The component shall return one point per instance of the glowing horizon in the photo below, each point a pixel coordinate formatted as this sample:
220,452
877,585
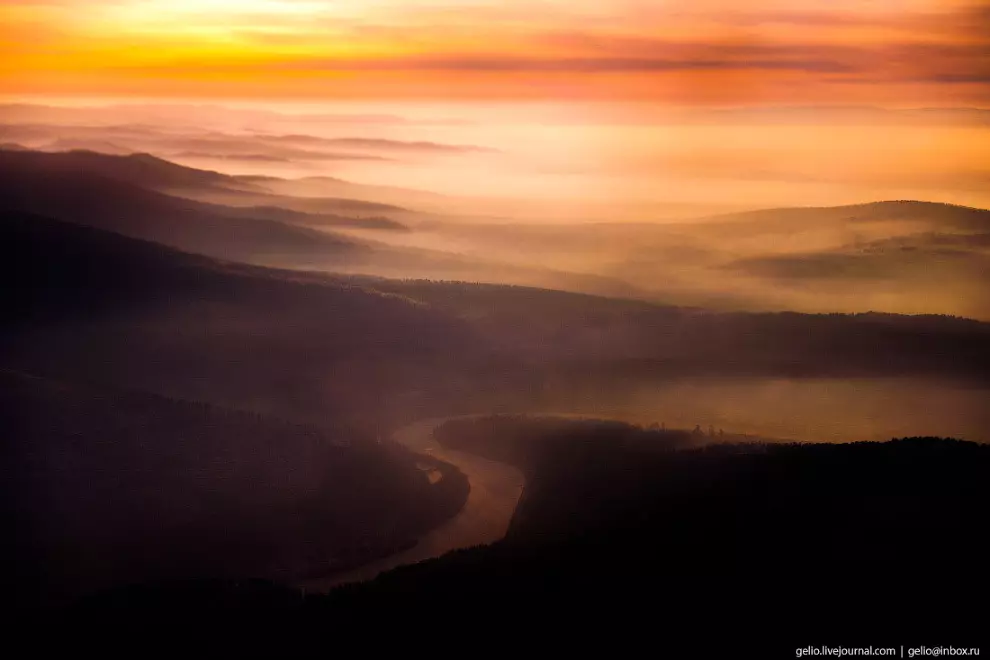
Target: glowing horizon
892,53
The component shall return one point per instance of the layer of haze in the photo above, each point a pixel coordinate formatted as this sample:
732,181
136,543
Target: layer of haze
810,410
768,218
711,154
621,193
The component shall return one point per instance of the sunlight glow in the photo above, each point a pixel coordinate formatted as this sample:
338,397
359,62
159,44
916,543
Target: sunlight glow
915,52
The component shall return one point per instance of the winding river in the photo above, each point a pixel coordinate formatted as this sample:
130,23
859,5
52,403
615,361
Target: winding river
484,518
818,410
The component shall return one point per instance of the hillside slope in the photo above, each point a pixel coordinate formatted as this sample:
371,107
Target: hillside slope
85,197
109,487
945,216
91,305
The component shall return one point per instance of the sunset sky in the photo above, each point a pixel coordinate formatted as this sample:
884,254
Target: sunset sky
886,52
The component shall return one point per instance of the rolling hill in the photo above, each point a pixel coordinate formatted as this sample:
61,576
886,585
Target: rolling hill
97,315
92,305
902,257
942,216
628,339
101,192
109,487
138,169
554,328
152,173
70,190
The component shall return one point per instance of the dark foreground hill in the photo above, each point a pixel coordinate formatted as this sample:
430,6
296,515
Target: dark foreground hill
727,551
105,488
104,485
741,549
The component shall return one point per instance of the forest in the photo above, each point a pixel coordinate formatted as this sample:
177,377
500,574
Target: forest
617,539
109,487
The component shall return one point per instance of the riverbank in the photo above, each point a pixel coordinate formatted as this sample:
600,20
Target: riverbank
495,489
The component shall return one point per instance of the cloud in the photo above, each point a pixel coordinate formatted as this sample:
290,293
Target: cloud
378,144
570,52
515,64
956,78
264,158
763,48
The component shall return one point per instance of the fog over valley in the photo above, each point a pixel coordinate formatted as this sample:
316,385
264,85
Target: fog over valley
322,359
623,200
571,327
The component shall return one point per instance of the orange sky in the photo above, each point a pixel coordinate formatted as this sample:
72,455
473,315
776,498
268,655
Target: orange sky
888,52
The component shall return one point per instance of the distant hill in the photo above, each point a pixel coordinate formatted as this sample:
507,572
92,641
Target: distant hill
92,305
902,257
373,144
304,199
206,190
398,198
101,271
244,329
279,231
95,146
329,220
938,216
142,170
907,256
626,339
65,187
959,260
151,172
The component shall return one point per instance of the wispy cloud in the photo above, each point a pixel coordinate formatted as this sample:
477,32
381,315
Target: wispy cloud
883,51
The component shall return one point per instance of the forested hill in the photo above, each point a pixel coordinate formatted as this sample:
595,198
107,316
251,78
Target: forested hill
91,305
108,487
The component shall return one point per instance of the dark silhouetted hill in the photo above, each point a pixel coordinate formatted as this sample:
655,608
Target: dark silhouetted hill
734,549
107,487
30,182
94,306
142,170
153,173
752,550
591,337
